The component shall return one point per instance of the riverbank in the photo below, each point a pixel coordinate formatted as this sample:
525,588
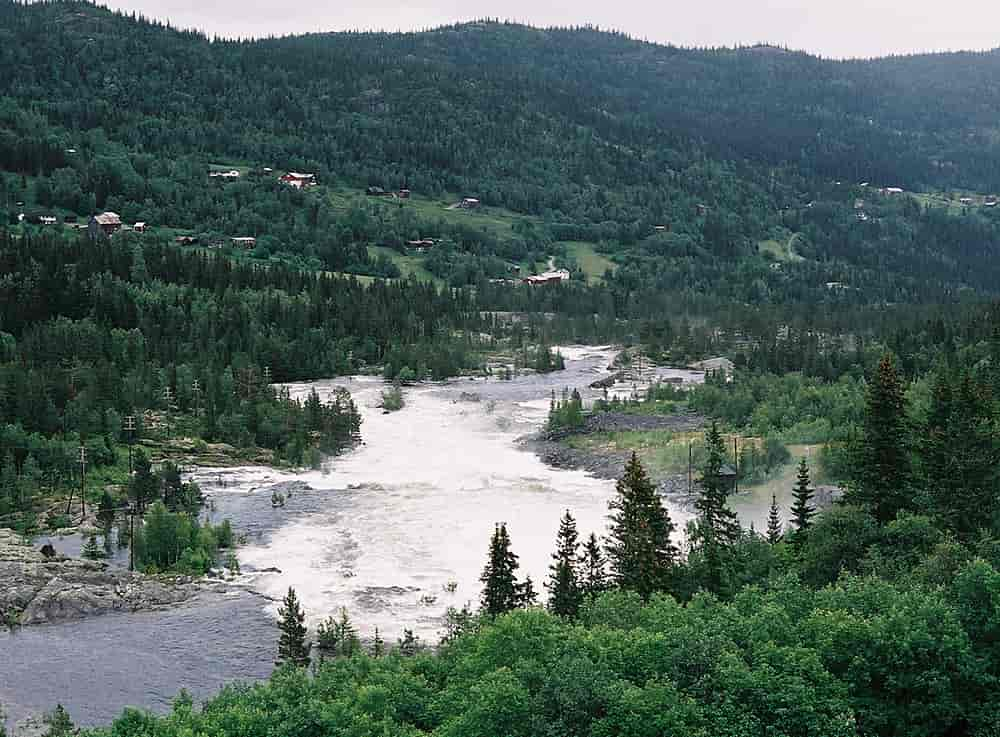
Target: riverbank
35,589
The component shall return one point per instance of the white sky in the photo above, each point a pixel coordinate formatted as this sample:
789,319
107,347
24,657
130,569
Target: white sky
833,28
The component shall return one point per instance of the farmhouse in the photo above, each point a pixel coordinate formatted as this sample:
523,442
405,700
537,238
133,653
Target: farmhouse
965,200
469,203
548,277
297,180
48,220
891,191
104,225
404,194
247,242
139,227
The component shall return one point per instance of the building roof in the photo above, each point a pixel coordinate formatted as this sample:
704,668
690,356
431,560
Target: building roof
108,218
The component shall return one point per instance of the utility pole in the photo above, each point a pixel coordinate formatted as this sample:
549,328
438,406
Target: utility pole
129,427
736,465
83,481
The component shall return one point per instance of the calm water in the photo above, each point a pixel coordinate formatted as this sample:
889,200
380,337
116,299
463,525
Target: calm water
395,531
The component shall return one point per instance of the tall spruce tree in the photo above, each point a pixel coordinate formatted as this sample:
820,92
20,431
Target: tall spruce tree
501,591
959,454
882,476
717,522
292,645
774,522
593,568
564,587
802,509
639,547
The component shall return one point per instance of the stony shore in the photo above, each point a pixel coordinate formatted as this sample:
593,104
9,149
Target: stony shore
39,590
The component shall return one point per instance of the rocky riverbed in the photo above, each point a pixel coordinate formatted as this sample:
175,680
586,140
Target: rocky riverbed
35,589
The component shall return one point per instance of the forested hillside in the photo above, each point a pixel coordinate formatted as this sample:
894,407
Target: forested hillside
731,174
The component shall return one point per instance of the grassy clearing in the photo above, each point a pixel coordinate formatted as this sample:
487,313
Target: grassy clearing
494,220
662,452
409,265
950,200
592,263
781,250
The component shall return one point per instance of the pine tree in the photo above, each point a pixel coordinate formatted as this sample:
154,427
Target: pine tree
718,523
639,547
292,645
774,522
501,592
106,511
594,577
143,486
338,637
378,645
526,594
409,644
802,509
565,592
881,482
959,455
58,722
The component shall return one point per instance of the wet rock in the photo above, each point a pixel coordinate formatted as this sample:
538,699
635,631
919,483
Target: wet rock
42,590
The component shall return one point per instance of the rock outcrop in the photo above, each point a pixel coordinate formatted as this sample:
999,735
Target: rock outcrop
37,590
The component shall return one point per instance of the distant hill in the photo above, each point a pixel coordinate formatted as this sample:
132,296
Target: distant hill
602,136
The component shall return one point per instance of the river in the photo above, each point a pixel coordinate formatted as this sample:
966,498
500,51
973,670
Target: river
396,531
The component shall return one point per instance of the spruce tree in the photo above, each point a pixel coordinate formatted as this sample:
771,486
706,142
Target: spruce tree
959,455
881,482
58,722
718,523
639,548
565,591
774,522
802,509
292,645
593,573
526,594
143,486
409,644
378,645
501,592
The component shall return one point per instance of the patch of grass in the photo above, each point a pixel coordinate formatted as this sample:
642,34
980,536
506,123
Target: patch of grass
663,453
592,263
781,250
409,265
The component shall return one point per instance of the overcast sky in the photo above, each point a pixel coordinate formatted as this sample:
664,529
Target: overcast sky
833,28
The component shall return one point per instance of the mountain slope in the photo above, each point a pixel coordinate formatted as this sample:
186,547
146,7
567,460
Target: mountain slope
601,136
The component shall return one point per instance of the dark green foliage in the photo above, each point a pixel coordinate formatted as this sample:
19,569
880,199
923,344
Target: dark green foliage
640,552
501,590
564,585
802,494
774,529
959,451
565,413
177,541
143,487
882,476
58,722
293,648
717,523
593,568
338,637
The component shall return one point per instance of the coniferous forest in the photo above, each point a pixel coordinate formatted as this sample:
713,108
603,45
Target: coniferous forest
829,226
